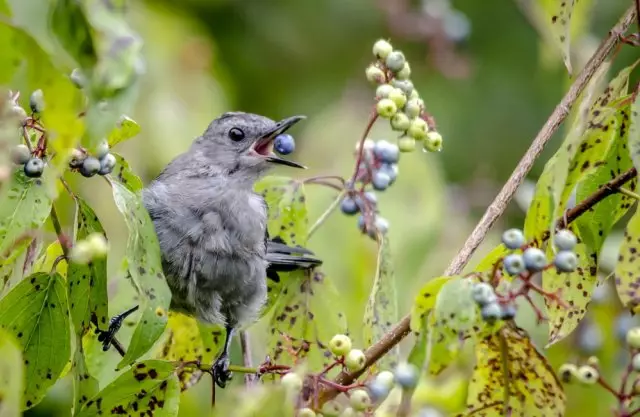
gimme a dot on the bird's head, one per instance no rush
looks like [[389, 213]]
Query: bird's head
[[243, 142]]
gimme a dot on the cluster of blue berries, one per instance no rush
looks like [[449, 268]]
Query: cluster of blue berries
[[491, 309], [102, 163], [399, 101], [533, 259]]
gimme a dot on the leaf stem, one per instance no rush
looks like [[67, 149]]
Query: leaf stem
[[326, 214], [629, 193], [58, 228], [245, 346], [367, 129]]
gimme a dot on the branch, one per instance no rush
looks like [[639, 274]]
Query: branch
[[495, 210]]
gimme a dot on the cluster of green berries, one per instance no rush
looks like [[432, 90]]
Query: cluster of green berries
[[533, 259], [399, 101], [491, 308], [354, 359], [587, 374], [101, 163], [93, 247]]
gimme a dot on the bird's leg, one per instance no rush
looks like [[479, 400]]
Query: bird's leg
[[107, 337], [220, 368]]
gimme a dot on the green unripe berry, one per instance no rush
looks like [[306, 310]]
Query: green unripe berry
[[418, 129], [382, 49], [81, 253], [398, 97], [565, 240], [635, 362], [386, 378], [567, 372], [20, 154], [588, 375], [400, 122], [291, 381], [406, 144], [98, 245], [340, 345], [350, 412], [413, 108], [331, 409], [360, 400], [405, 72], [355, 360], [386, 108], [433, 142], [375, 75], [18, 113], [306, 412], [633, 338], [415, 94], [383, 91], [395, 61]]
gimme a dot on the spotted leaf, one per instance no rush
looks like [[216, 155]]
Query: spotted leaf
[[125, 129], [148, 388], [124, 175], [35, 313], [425, 301], [627, 270], [254, 401], [85, 385], [143, 263], [11, 376], [634, 132], [511, 377]]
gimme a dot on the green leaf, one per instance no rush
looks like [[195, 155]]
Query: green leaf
[[35, 313], [45, 262], [12, 265], [148, 388], [425, 301], [634, 133], [85, 386], [23, 209], [627, 270], [381, 311], [144, 265], [124, 175], [87, 284], [71, 28], [12, 54], [488, 262], [125, 129], [11, 376], [260, 400], [556, 18], [512, 378], [307, 313]]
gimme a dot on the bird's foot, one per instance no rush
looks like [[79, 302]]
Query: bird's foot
[[107, 337], [220, 370]]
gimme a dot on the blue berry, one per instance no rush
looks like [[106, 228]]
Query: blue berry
[[90, 167], [566, 261], [386, 152], [491, 312], [395, 61], [513, 239], [391, 170], [349, 206], [483, 294], [514, 264], [406, 375], [284, 144], [378, 390], [107, 163], [361, 223], [34, 167], [624, 322], [508, 312], [371, 197], [36, 101], [565, 240], [534, 259], [380, 181], [381, 224]]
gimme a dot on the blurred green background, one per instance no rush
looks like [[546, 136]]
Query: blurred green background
[[482, 72]]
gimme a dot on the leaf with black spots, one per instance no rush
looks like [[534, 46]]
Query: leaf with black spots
[[124, 175], [147, 388], [425, 301], [627, 270], [125, 129], [11, 376], [35, 313], [85, 386], [143, 263]]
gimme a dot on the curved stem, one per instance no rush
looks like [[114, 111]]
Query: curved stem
[[326, 214]]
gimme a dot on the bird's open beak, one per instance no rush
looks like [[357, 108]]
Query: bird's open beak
[[264, 145]]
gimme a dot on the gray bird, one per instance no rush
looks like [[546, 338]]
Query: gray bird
[[211, 225]]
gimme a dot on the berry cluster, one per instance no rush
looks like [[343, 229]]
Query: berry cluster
[[491, 308], [399, 101], [101, 163], [533, 259]]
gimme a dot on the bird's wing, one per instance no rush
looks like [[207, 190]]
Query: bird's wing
[[284, 258]]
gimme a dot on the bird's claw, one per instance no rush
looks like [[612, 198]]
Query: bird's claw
[[107, 336], [220, 371]]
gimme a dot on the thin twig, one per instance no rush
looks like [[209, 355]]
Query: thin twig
[[326, 214], [245, 346]]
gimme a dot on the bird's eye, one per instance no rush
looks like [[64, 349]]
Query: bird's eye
[[236, 134]]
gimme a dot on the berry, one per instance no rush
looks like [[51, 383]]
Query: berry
[[349, 206], [386, 108], [361, 223], [383, 91], [102, 149], [284, 144], [386, 378], [406, 86], [567, 372], [370, 196], [19, 113], [340, 345], [378, 390], [534, 259], [77, 78], [491, 312], [635, 362], [350, 412], [77, 158], [380, 181], [36, 101], [588, 374], [386, 152], [359, 400], [292, 381], [382, 49], [306, 412], [34, 168], [400, 122], [566, 261], [624, 322], [483, 294], [514, 264], [368, 145], [406, 144], [398, 97], [413, 108], [331, 409], [355, 360], [513, 239], [406, 375], [405, 72], [633, 338], [565, 240], [375, 75], [98, 244], [107, 163], [589, 338], [418, 129], [20, 154], [395, 61], [81, 252], [433, 142], [90, 167], [508, 312], [391, 170], [381, 225]]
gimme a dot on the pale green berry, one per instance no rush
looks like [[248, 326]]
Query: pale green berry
[[360, 400], [340, 344], [418, 129], [565, 240], [292, 381], [398, 97], [355, 360], [433, 142], [400, 122], [20, 154], [306, 412], [633, 338], [383, 91], [386, 108], [567, 372], [98, 244], [395, 61], [405, 72], [382, 49], [413, 108], [81, 252], [406, 144], [386, 378], [588, 375], [350, 412], [635, 362], [375, 75], [415, 94], [331, 409]]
